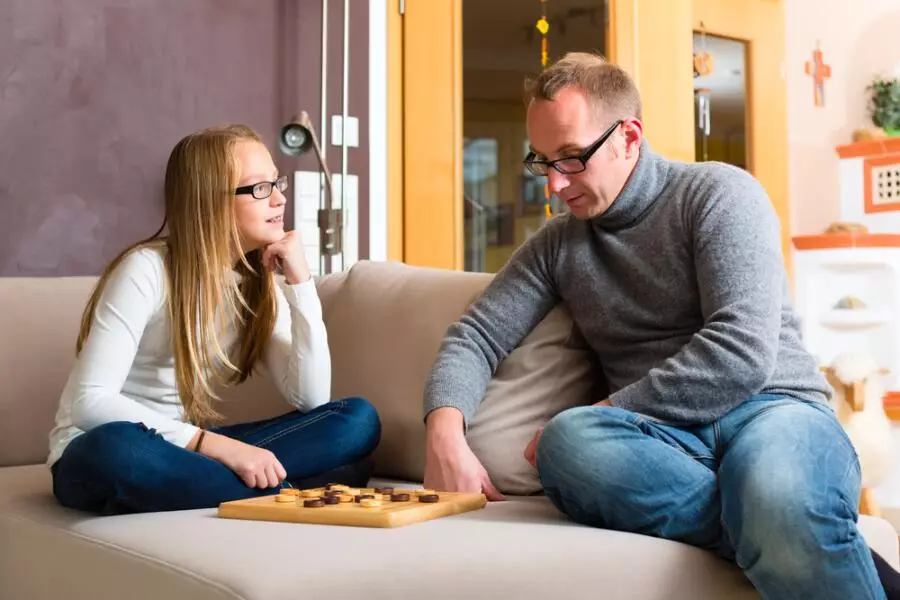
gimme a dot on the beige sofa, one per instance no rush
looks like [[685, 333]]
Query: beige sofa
[[385, 322]]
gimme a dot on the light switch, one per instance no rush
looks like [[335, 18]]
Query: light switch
[[352, 131]]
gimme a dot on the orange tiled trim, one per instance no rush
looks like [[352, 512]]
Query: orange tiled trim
[[892, 405], [869, 148], [827, 241]]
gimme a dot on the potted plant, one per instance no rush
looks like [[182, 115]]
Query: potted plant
[[884, 104]]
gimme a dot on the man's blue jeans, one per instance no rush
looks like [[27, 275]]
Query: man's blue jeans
[[774, 486], [126, 467]]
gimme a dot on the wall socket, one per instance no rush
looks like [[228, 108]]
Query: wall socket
[[352, 131]]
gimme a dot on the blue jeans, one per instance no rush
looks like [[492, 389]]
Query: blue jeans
[[773, 486], [124, 467]]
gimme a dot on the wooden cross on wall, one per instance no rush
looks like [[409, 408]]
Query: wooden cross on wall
[[820, 72]]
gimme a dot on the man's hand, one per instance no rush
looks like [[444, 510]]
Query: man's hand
[[531, 448], [450, 465], [604, 403]]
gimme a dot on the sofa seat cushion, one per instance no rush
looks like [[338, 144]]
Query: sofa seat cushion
[[521, 548]]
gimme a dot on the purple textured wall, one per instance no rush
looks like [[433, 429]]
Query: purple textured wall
[[94, 94]]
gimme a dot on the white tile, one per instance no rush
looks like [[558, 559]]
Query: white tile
[[337, 134], [351, 218], [306, 207], [309, 231]]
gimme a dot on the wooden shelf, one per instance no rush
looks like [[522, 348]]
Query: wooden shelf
[[869, 148], [849, 318], [892, 405], [830, 241]]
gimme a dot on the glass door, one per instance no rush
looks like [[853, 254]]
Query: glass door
[[720, 100], [502, 45]]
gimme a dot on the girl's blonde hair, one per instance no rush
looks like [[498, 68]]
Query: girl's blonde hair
[[200, 252]]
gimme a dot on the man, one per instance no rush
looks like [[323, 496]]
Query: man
[[717, 430]]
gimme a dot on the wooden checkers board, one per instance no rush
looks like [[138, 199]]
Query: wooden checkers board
[[364, 507]]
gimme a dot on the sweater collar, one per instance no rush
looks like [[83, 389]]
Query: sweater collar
[[647, 180]]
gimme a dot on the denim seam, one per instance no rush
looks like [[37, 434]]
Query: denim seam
[[287, 430], [260, 426], [746, 422], [854, 468], [697, 456], [644, 424], [717, 442], [257, 429], [692, 455], [295, 427]]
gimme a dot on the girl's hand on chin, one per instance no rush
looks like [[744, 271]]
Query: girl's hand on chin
[[288, 253]]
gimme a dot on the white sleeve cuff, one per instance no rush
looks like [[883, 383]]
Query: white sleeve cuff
[[181, 434], [303, 297]]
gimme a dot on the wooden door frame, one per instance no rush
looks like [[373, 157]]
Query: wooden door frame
[[639, 29], [425, 169], [395, 128], [425, 163], [751, 21]]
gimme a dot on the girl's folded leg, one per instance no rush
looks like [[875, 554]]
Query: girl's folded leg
[[335, 437], [127, 467]]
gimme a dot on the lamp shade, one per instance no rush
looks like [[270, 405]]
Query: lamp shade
[[295, 139]]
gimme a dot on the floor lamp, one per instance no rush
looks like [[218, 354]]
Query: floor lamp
[[297, 138]]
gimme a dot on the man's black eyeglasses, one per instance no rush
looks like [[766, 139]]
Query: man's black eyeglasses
[[263, 189], [569, 164]]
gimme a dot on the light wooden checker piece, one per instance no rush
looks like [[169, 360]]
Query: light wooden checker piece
[[288, 507]]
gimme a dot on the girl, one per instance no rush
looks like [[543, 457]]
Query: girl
[[170, 318]]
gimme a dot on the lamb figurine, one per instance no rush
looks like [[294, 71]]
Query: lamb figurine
[[858, 402]]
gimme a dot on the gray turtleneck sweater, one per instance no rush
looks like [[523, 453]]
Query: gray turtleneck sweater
[[679, 288]]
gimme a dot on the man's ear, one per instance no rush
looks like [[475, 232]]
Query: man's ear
[[633, 130]]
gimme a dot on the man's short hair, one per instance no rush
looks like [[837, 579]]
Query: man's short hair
[[607, 85]]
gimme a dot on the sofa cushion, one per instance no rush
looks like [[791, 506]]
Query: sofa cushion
[[39, 325], [50, 552], [522, 548], [551, 370], [385, 325]]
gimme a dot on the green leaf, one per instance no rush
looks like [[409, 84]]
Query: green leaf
[[884, 103]]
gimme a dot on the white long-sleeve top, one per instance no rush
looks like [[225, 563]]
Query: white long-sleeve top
[[126, 368]]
